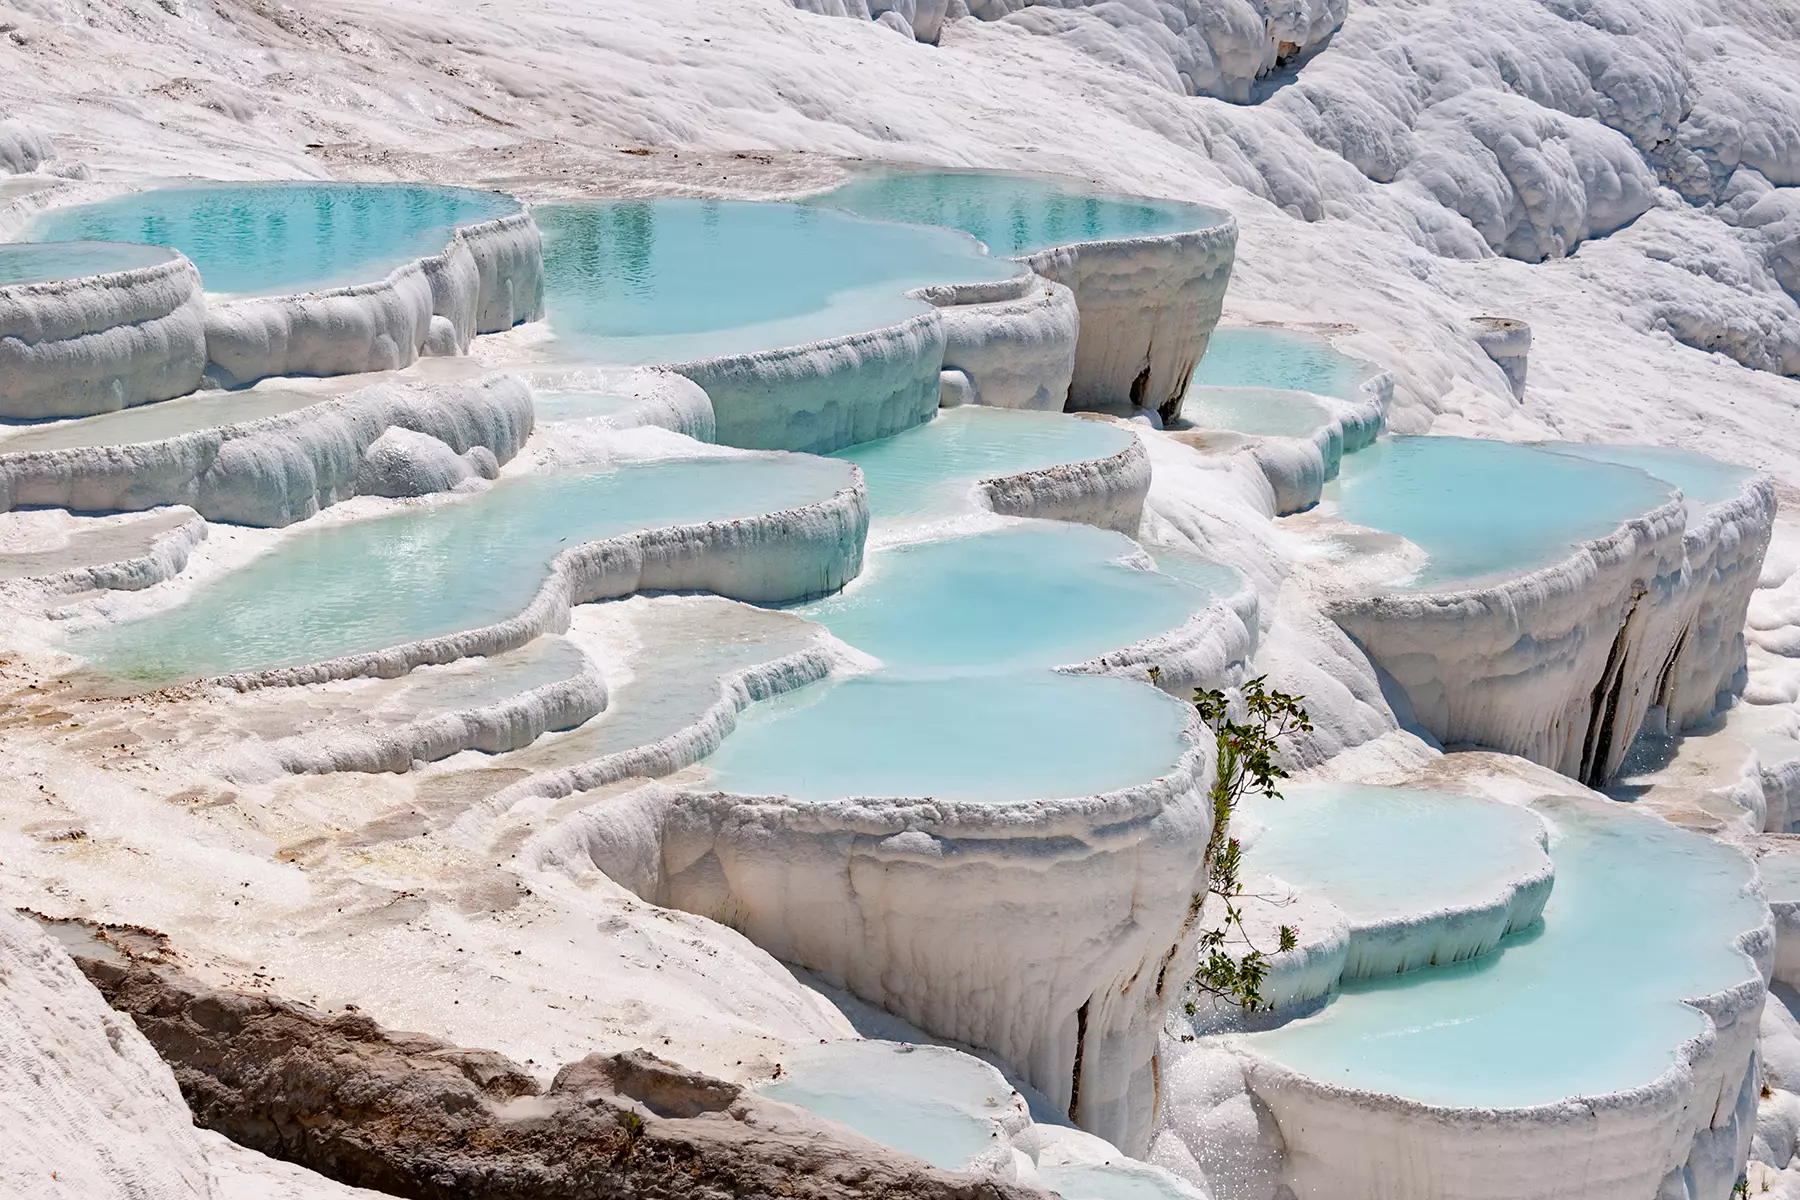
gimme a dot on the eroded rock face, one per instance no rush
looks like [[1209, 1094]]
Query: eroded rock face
[[413, 1116]]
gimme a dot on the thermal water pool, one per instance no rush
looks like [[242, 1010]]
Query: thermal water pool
[[167, 419], [945, 1107], [437, 568], [1262, 411], [1035, 594], [1484, 508], [1285, 359], [931, 469], [1704, 481], [1643, 916], [1013, 214], [23, 263], [1423, 877], [966, 629], [672, 280], [252, 239]]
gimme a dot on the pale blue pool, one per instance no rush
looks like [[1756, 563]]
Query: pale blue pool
[[1255, 410], [990, 739], [929, 470], [1589, 1002], [1036, 594], [1781, 876], [26, 262], [927, 1101], [1484, 508], [1381, 853], [671, 280], [167, 419], [276, 238], [1014, 214], [1251, 356], [580, 406], [345, 588], [1702, 479]]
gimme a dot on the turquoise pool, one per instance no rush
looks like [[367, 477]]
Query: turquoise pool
[[1255, 410], [276, 238], [1702, 479], [26, 262], [671, 280], [929, 470], [436, 569], [987, 739], [1589, 1002], [1287, 359], [1036, 594], [1013, 214], [1483, 508]]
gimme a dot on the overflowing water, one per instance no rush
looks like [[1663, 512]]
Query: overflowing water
[[275, 238], [1013, 214]]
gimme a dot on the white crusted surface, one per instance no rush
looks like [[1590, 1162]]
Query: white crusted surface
[[89, 345], [1017, 351], [277, 470]]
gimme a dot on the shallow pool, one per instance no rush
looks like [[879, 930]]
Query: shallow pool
[[1702, 479], [1036, 594], [25, 262], [580, 406], [170, 418], [671, 280], [931, 469], [990, 739], [1484, 508], [276, 238], [349, 587], [1261, 411], [1257, 357], [1382, 854], [927, 1101], [1587, 1003], [1013, 214]]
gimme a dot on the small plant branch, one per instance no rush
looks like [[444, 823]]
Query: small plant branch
[[1248, 765]]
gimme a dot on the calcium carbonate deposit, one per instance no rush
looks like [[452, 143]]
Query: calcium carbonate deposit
[[680, 600]]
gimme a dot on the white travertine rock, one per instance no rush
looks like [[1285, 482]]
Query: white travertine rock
[[1561, 665], [489, 278], [22, 148], [1199, 47], [90, 1111], [1108, 492], [123, 553], [75, 347], [1066, 976], [403, 463], [1148, 306], [277, 470], [1507, 341], [1014, 341], [826, 395]]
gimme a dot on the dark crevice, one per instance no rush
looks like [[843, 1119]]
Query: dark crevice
[[1081, 1019], [1603, 708]]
